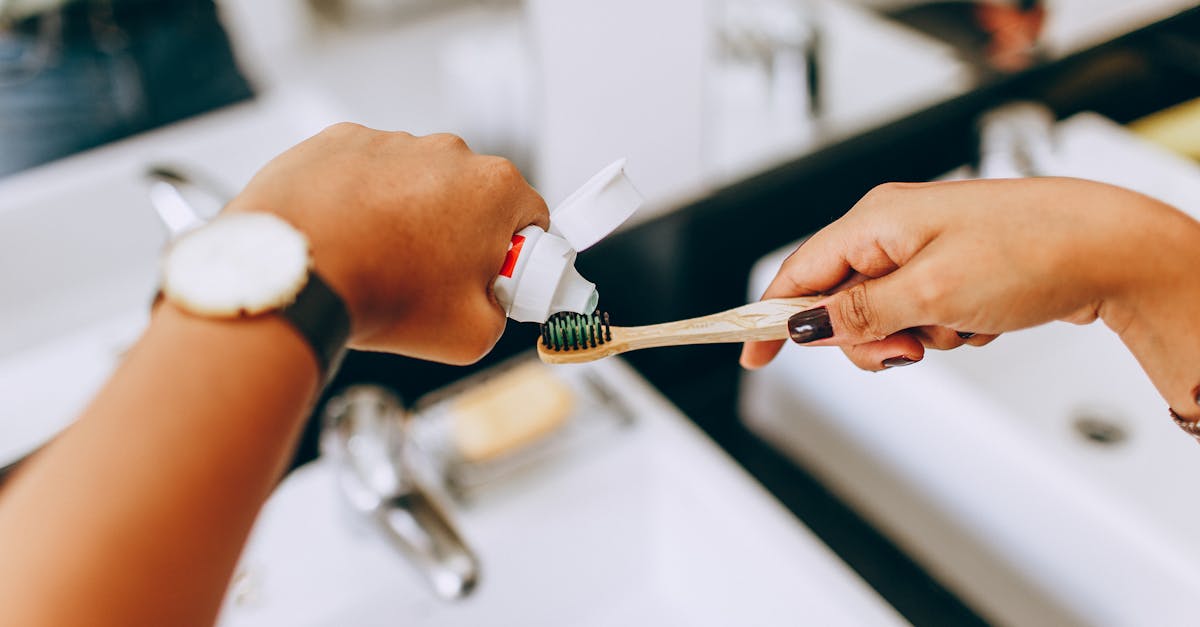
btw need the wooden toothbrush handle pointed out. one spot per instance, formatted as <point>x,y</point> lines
<point>764,320</point>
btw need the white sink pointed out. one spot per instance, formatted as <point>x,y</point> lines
<point>975,460</point>
<point>79,244</point>
<point>654,526</point>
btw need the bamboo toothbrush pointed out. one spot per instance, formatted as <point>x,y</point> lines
<point>569,338</point>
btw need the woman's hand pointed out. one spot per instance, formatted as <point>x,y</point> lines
<point>410,231</point>
<point>938,265</point>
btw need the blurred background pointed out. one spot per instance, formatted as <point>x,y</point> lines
<point>1034,482</point>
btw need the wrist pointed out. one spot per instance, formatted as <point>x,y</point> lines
<point>247,264</point>
<point>336,266</point>
<point>1153,306</point>
<point>270,330</point>
<point>1127,248</point>
<point>1151,268</point>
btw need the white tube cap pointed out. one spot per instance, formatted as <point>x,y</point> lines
<point>546,283</point>
<point>603,203</point>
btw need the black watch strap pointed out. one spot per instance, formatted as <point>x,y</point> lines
<point>321,317</point>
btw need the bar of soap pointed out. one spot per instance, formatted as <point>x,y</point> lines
<point>511,411</point>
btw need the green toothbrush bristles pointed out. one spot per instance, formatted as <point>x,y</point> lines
<point>566,331</point>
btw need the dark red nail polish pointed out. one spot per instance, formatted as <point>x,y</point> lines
<point>898,362</point>
<point>966,335</point>
<point>810,326</point>
<point>1196,395</point>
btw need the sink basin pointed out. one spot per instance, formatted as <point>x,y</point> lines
<point>1039,477</point>
<point>80,244</point>
<point>654,526</point>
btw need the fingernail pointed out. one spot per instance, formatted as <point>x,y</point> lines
<point>966,335</point>
<point>1196,395</point>
<point>898,362</point>
<point>810,326</point>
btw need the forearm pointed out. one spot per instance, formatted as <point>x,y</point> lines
<point>1164,336</point>
<point>1156,311</point>
<point>137,513</point>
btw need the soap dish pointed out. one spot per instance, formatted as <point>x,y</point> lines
<point>508,419</point>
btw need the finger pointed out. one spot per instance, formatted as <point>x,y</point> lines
<point>530,206</point>
<point>940,338</point>
<point>827,260</point>
<point>834,273</point>
<point>871,310</point>
<point>467,324</point>
<point>755,355</point>
<point>981,339</point>
<point>447,141</point>
<point>477,326</point>
<point>532,211</point>
<point>523,202</point>
<point>538,213</point>
<point>894,351</point>
<point>844,252</point>
<point>854,243</point>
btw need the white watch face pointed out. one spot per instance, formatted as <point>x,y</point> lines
<point>238,263</point>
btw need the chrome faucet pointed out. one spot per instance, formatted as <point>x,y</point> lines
<point>182,200</point>
<point>783,38</point>
<point>365,438</point>
<point>1016,140</point>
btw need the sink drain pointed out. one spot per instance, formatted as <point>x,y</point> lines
<point>1099,429</point>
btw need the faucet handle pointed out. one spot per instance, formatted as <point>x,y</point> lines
<point>364,436</point>
<point>182,200</point>
<point>417,524</point>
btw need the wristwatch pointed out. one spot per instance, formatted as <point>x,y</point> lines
<point>249,264</point>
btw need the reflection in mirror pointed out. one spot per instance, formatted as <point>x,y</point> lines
<point>787,77</point>
<point>1000,37</point>
<point>763,79</point>
<point>990,36</point>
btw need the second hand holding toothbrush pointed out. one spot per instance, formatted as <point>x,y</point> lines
<point>576,338</point>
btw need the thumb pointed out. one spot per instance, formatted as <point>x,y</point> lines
<point>866,312</point>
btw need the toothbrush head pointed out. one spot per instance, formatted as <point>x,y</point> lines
<point>566,331</point>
